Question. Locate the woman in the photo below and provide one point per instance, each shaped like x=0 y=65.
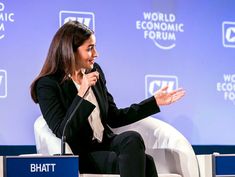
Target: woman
x=69 y=75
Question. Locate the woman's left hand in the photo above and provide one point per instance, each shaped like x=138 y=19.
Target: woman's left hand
x=165 y=98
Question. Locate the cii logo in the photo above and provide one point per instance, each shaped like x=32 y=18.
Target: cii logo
x=3 y=84
x=228 y=30
x=87 y=18
x=156 y=82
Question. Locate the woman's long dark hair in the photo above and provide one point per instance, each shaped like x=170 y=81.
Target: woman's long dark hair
x=60 y=59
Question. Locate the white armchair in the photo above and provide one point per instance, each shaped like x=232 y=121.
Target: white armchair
x=172 y=153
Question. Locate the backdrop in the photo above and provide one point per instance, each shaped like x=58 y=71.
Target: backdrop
x=143 y=45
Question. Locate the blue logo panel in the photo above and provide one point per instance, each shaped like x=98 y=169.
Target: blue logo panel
x=229 y=34
x=156 y=82
x=87 y=18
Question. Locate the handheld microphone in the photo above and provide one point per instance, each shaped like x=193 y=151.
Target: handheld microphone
x=63 y=138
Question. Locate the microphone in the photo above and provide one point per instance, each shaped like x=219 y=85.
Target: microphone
x=63 y=138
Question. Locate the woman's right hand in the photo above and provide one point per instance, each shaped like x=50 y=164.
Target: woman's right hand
x=87 y=81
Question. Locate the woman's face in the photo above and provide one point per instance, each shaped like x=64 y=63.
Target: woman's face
x=86 y=54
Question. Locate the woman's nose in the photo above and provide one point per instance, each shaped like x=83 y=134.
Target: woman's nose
x=95 y=53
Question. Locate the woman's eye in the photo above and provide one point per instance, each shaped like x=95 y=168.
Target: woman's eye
x=89 y=49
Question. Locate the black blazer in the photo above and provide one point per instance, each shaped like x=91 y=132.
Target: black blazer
x=57 y=100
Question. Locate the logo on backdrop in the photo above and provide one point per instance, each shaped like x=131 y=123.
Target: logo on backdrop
x=3 y=84
x=227 y=87
x=228 y=30
x=161 y=28
x=5 y=17
x=156 y=82
x=87 y=18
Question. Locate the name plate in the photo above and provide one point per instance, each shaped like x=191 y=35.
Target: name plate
x=41 y=166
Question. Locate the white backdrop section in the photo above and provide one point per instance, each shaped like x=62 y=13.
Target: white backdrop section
x=143 y=45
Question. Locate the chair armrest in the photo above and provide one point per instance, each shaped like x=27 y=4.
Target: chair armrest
x=170 y=149
x=46 y=141
x=206 y=165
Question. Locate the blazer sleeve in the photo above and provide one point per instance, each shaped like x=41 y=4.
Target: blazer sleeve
x=135 y=112
x=119 y=117
x=53 y=103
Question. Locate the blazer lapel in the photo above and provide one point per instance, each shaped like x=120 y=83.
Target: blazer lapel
x=70 y=91
x=100 y=98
